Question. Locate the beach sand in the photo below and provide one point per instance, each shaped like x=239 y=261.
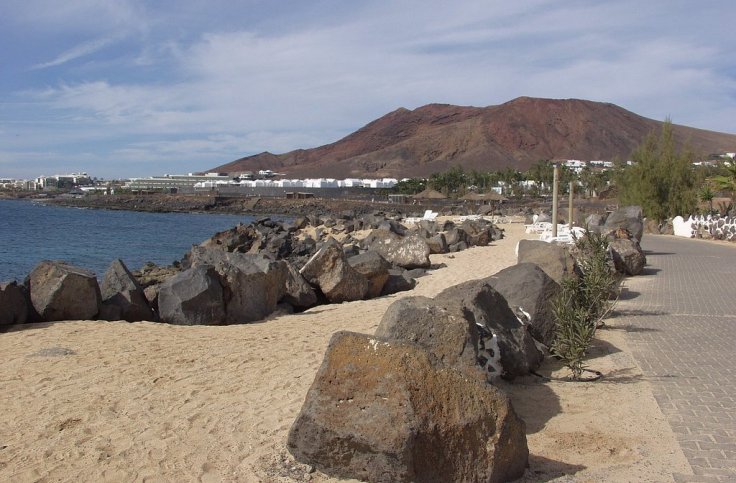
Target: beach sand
x=114 y=401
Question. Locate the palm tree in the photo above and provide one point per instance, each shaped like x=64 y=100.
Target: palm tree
x=706 y=194
x=727 y=181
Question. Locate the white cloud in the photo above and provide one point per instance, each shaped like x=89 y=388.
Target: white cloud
x=76 y=52
x=208 y=94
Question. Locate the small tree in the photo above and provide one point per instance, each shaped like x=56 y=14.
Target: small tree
x=706 y=194
x=583 y=302
x=661 y=181
x=410 y=186
x=727 y=180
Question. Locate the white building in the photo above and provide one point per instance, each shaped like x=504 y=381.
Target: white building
x=173 y=181
x=575 y=165
x=62 y=180
x=601 y=164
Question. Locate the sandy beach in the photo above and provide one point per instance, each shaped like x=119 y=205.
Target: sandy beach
x=114 y=401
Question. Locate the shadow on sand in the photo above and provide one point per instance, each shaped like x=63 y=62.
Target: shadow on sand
x=545 y=469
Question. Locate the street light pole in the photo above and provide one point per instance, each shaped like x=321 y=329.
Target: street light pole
x=555 y=189
x=569 y=206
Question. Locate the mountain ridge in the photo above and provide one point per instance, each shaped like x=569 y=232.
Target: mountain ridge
x=436 y=137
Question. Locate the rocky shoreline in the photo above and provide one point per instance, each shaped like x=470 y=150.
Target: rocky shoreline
x=173 y=203
x=250 y=271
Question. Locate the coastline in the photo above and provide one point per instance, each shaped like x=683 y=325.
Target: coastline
x=118 y=401
x=174 y=203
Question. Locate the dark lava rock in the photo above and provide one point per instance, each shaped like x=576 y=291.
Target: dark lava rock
x=529 y=292
x=388 y=411
x=192 y=297
x=122 y=296
x=60 y=291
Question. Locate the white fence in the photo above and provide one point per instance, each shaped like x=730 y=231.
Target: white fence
x=706 y=226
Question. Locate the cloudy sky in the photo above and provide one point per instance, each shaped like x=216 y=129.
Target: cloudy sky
x=126 y=88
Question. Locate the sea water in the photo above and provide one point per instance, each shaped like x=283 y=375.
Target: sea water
x=92 y=239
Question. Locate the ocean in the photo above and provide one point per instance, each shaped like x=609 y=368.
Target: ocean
x=92 y=239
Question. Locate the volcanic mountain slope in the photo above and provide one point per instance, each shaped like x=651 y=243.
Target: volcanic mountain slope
x=436 y=137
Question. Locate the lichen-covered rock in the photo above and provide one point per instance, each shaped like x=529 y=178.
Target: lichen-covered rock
x=122 y=296
x=192 y=297
x=447 y=335
x=409 y=252
x=487 y=309
x=329 y=270
x=389 y=412
x=60 y=291
x=529 y=292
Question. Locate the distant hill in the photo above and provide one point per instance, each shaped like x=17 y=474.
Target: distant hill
x=436 y=137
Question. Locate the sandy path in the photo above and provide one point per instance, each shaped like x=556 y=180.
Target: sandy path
x=112 y=401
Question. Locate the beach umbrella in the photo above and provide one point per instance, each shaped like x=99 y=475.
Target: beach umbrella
x=429 y=194
x=491 y=196
x=472 y=197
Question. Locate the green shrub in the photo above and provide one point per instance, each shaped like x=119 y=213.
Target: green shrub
x=583 y=302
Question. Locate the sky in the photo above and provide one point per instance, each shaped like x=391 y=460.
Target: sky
x=129 y=88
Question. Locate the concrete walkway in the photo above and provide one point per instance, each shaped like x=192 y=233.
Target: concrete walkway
x=681 y=318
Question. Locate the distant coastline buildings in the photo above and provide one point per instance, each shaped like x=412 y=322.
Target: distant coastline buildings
x=210 y=181
x=82 y=183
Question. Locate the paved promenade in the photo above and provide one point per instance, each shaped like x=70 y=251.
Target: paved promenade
x=682 y=316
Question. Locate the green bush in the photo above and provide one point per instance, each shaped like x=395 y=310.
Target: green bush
x=583 y=302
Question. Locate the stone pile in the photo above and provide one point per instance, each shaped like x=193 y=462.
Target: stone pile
x=249 y=272
x=624 y=229
x=416 y=401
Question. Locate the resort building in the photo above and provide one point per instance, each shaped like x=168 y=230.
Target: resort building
x=169 y=182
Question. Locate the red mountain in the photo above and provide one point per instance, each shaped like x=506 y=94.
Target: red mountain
x=516 y=134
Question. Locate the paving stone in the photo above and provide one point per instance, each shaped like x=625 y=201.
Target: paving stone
x=682 y=329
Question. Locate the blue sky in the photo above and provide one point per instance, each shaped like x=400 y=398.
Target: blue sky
x=136 y=88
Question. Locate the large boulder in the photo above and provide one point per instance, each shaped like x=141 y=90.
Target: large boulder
x=453 y=236
x=448 y=336
x=628 y=217
x=628 y=257
x=478 y=232
x=192 y=297
x=14 y=304
x=374 y=267
x=297 y=291
x=504 y=338
x=388 y=411
x=595 y=221
x=122 y=296
x=253 y=284
x=437 y=244
x=529 y=292
x=329 y=270
x=555 y=260
x=60 y=291
x=237 y=239
x=398 y=281
x=409 y=252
